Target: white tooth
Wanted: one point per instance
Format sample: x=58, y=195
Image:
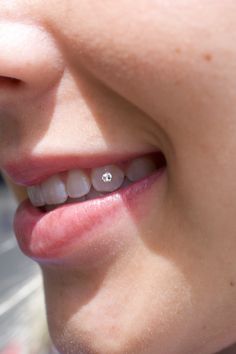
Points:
x=54, y=191
x=78, y=184
x=68, y=201
x=107, y=178
x=140, y=168
x=94, y=194
x=36, y=196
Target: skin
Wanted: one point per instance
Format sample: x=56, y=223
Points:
x=126, y=76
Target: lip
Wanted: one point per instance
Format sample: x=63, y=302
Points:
x=30, y=170
x=79, y=232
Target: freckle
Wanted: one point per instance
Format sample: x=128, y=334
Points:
x=207, y=56
x=232, y=283
x=177, y=50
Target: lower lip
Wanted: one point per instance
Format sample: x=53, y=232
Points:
x=71, y=231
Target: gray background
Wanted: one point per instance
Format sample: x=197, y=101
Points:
x=22, y=318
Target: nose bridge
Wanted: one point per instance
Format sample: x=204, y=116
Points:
x=29, y=54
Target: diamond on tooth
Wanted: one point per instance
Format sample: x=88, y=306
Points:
x=107, y=178
x=78, y=184
x=54, y=191
x=140, y=168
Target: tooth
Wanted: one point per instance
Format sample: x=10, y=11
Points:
x=78, y=184
x=140, y=168
x=68, y=201
x=36, y=196
x=54, y=191
x=107, y=178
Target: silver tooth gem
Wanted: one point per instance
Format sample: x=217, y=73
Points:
x=107, y=177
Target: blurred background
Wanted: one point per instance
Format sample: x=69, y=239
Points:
x=23, y=328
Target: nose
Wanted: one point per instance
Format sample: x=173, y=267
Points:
x=30, y=60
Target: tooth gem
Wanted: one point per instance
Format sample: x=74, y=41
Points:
x=107, y=177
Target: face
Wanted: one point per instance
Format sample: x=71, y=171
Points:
x=91, y=91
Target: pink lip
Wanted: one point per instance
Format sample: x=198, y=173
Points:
x=74, y=231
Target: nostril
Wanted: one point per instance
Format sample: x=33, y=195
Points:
x=10, y=82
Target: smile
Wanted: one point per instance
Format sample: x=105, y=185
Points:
x=74, y=217
x=79, y=185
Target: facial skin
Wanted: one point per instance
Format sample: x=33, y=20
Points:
x=135, y=76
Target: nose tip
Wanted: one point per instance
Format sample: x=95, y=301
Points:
x=28, y=55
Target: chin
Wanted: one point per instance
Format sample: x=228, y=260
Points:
x=122, y=312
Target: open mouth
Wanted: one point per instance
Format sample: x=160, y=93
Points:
x=71, y=215
x=79, y=185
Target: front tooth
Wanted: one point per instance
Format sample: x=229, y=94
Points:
x=54, y=191
x=36, y=196
x=107, y=178
x=140, y=168
x=77, y=184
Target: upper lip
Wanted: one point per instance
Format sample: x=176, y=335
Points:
x=30, y=170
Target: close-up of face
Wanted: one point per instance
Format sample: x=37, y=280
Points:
x=118, y=138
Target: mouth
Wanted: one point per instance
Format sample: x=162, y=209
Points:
x=79, y=185
x=69, y=213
